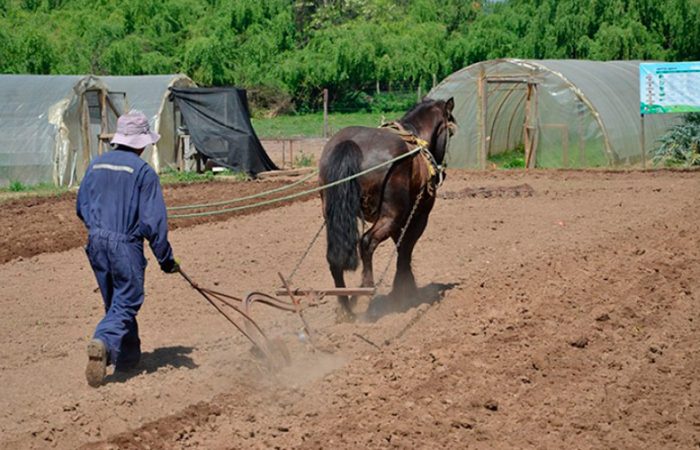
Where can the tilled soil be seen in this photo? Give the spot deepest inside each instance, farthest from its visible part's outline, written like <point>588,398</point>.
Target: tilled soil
<point>34,225</point>
<point>557,310</point>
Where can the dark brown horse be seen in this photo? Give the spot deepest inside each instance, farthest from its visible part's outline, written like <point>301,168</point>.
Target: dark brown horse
<point>383,197</point>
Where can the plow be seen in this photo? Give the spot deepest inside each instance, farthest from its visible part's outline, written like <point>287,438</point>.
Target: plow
<point>273,351</point>
<point>296,301</point>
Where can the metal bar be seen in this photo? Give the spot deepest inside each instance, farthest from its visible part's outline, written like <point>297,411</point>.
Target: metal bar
<point>262,348</point>
<point>297,304</point>
<point>266,300</point>
<point>324,292</point>
<point>221,294</point>
<point>491,79</point>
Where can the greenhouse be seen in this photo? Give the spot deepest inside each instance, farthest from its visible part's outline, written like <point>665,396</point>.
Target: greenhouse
<point>150,95</point>
<point>50,127</point>
<point>559,113</point>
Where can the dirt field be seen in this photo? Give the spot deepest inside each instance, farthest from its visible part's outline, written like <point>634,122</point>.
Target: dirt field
<point>559,310</point>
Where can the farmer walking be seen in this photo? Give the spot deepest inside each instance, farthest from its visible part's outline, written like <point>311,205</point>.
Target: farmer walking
<point>121,203</point>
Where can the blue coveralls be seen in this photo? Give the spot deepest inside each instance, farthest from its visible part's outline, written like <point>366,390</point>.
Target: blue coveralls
<point>121,203</point>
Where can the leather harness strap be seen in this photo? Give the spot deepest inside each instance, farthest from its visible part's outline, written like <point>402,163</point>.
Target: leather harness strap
<point>435,170</point>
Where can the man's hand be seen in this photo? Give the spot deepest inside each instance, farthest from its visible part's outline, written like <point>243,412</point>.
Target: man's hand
<point>172,266</point>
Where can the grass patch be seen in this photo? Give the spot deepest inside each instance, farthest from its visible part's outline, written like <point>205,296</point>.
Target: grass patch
<point>18,189</point>
<point>41,188</point>
<point>170,176</point>
<point>512,159</point>
<point>311,125</point>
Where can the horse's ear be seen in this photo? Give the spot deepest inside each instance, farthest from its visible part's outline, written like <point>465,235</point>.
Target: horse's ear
<point>450,104</point>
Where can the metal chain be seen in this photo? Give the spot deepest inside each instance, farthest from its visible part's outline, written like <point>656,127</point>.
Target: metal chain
<point>400,239</point>
<point>306,252</point>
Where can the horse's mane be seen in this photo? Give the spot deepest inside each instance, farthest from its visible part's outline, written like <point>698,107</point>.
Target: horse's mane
<point>415,109</point>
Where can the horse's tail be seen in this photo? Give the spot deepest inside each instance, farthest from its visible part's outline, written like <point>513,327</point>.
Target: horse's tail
<point>342,206</point>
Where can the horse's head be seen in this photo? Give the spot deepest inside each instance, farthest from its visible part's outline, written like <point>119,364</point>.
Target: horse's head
<point>432,120</point>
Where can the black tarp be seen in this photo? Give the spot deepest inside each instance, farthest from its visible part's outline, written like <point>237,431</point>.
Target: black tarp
<point>218,120</point>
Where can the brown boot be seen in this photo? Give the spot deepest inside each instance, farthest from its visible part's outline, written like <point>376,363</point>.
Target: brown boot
<point>97,362</point>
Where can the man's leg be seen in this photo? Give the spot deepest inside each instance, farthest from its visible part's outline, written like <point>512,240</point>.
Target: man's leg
<point>130,353</point>
<point>98,356</point>
<point>118,329</point>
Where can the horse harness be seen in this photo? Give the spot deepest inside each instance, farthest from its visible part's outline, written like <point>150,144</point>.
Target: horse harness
<point>435,170</point>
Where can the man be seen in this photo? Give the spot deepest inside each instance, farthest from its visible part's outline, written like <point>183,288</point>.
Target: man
<point>121,203</point>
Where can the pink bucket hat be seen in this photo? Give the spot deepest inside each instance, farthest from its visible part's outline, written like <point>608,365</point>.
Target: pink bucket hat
<point>133,131</point>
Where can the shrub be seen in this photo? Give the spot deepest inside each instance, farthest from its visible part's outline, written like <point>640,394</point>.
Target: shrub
<point>17,186</point>
<point>680,146</point>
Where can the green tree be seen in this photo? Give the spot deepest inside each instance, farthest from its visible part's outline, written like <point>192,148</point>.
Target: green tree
<point>351,47</point>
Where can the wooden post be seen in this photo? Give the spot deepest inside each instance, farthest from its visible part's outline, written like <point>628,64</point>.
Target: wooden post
<point>85,128</point>
<point>482,114</point>
<point>181,167</point>
<point>526,129</point>
<point>291,153</point>
<point>644,143</point>
<point>103,120</point>
<point>534,129</point>
<point>325,113</point>
<point>179,152</point>
<point>284,152</point>
<point>531,126</point>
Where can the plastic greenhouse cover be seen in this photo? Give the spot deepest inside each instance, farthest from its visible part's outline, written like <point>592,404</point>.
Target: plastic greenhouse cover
<point>587,112</point>
<point>41,122</point>
<point>36,127</point>
<point>149,94</point>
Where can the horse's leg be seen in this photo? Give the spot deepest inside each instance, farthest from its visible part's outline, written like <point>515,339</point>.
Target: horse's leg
<point>404,281</point>
<point>378,233</point>
<point>344,313</point>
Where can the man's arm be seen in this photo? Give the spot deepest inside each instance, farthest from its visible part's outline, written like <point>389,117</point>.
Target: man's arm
<point>153,220</point>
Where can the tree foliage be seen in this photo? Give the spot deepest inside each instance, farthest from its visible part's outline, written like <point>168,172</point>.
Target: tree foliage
<point>351,47</point>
